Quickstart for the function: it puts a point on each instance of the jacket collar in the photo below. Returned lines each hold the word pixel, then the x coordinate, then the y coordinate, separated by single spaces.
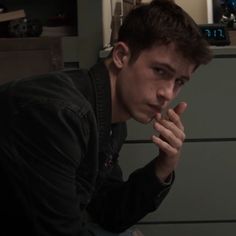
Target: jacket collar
pixel 101 83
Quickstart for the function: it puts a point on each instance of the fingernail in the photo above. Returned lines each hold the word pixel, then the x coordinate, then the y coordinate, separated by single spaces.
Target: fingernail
pixel 158 116
pixel 170 111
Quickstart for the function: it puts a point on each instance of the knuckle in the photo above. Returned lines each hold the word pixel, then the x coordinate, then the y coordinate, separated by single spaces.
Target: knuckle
pixel 169 134
pixel 174 153
pixel 179 144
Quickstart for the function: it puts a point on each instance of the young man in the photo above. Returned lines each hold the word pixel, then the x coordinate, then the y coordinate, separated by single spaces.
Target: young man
pixel 61 133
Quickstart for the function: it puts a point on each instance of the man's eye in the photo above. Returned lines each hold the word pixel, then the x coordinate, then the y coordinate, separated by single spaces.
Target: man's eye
pixel 160 71
pixel 180 82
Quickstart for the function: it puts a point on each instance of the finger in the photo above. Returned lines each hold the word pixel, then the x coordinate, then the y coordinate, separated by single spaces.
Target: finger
pixel 168 135
pixel 175 118
pixel 171 127
pixel 174 114
pixel 165 146
pixel 180 108
pixel 158 116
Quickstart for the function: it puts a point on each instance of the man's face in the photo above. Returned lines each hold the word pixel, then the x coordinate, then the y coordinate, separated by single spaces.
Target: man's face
pixel 147 86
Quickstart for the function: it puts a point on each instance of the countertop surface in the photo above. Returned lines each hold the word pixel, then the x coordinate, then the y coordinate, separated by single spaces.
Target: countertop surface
pixel 224 51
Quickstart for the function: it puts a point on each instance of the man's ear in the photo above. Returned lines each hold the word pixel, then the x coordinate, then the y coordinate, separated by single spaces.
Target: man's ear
pixel 121 54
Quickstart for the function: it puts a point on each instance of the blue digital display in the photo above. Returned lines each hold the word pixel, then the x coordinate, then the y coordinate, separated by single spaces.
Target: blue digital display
pixel 215 34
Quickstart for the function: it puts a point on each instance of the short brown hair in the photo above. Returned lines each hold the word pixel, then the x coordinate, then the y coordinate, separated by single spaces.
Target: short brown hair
pixel 162 22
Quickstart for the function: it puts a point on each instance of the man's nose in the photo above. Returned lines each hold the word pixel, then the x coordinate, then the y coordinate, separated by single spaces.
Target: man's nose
pixel 166 93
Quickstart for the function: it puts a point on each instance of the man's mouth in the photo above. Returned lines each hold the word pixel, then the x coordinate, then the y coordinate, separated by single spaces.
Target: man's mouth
pixel 155 108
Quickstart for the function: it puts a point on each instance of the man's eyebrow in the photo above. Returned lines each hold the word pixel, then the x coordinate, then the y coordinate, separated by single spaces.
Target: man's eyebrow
pixel 172 70
pixel 166 65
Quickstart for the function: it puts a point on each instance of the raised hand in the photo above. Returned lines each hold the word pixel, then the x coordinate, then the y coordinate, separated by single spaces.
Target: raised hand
pixel 170 140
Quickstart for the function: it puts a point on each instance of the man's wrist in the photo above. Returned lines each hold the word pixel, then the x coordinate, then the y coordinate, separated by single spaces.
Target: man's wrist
pixel 163 171
pixel 168 180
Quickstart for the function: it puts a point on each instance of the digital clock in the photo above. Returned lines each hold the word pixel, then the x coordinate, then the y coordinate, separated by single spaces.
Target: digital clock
pixel 215 34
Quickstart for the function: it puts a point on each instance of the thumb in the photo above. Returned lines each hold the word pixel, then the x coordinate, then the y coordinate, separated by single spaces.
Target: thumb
pixel 180 108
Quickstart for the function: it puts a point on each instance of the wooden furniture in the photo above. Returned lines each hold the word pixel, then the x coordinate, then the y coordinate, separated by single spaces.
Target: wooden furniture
pixel 22 57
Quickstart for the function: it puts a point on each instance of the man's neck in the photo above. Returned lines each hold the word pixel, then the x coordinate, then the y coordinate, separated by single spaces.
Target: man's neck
pixel 118 112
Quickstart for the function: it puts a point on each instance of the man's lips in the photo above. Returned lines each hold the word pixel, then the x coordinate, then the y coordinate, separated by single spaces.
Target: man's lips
pixel 155 108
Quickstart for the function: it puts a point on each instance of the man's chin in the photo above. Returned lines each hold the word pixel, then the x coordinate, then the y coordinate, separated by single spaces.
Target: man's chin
pixel 144 120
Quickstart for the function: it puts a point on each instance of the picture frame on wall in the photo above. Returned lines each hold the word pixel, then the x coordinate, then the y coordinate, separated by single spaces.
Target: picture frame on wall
pixel 210 11
pixel 215 10
pixel 222 12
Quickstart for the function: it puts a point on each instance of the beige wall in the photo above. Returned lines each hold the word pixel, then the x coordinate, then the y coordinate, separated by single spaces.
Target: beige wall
pixel 196 8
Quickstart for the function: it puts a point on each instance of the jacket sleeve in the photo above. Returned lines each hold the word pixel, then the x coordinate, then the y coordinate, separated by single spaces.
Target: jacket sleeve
pixel 50 140
pixel 119 205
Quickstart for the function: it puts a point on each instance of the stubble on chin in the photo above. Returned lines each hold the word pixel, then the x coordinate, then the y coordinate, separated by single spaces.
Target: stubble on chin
pixel 144 119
